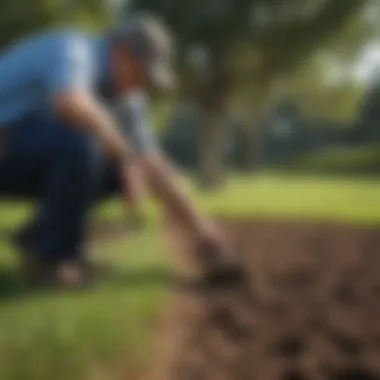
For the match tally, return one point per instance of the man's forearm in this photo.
(164, 184)
(84, 111)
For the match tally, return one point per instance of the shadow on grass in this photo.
(13, 287)
(5, 234)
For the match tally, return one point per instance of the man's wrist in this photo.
(126, 159)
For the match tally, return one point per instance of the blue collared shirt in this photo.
(35, 69)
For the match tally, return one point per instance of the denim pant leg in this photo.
(66, 168)
(74, 180)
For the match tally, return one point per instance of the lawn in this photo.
(85, 335)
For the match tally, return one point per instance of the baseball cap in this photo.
(151, 42)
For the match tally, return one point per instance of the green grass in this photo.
(355, 200)
(68, 336)
(77, 336)
(273, 195)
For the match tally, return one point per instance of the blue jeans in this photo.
(67, 171)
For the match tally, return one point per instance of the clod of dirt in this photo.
(345, 293)
(354, 374)
(300, 279)
(375, 290)
(191, 371)
(346, 344)
(294, 375)
(224, 319)
(290, 347)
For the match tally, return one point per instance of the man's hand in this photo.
(190, 232)
(211, 236)
(203, 261)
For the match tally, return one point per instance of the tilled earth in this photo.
(311, 309)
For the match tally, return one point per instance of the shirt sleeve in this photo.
(72, 66)
(133, 114)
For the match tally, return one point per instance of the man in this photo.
(74, 116)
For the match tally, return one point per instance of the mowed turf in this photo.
(88, 335)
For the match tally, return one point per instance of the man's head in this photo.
(141, 55)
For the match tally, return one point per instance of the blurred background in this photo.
(276, 115)
(263, 83)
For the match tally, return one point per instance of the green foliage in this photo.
(360, 161)
(251, 43)
(19, 18)
(276, 27)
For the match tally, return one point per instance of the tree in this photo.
(22, 17)
(247, 44)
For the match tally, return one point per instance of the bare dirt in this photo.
(311, 309)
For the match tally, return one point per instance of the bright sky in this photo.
(368, 67)
(366, 70)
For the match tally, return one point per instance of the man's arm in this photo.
(69, 80)
(165, 185)
(187, 230)
(155, 168)
(82, 110)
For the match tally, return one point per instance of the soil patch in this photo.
(311, 309)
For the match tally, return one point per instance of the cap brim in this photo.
(162, 76)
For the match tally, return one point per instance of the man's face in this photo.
(127, 72)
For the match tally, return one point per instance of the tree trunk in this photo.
(251, 146)
(211, 134)
(211, 151)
